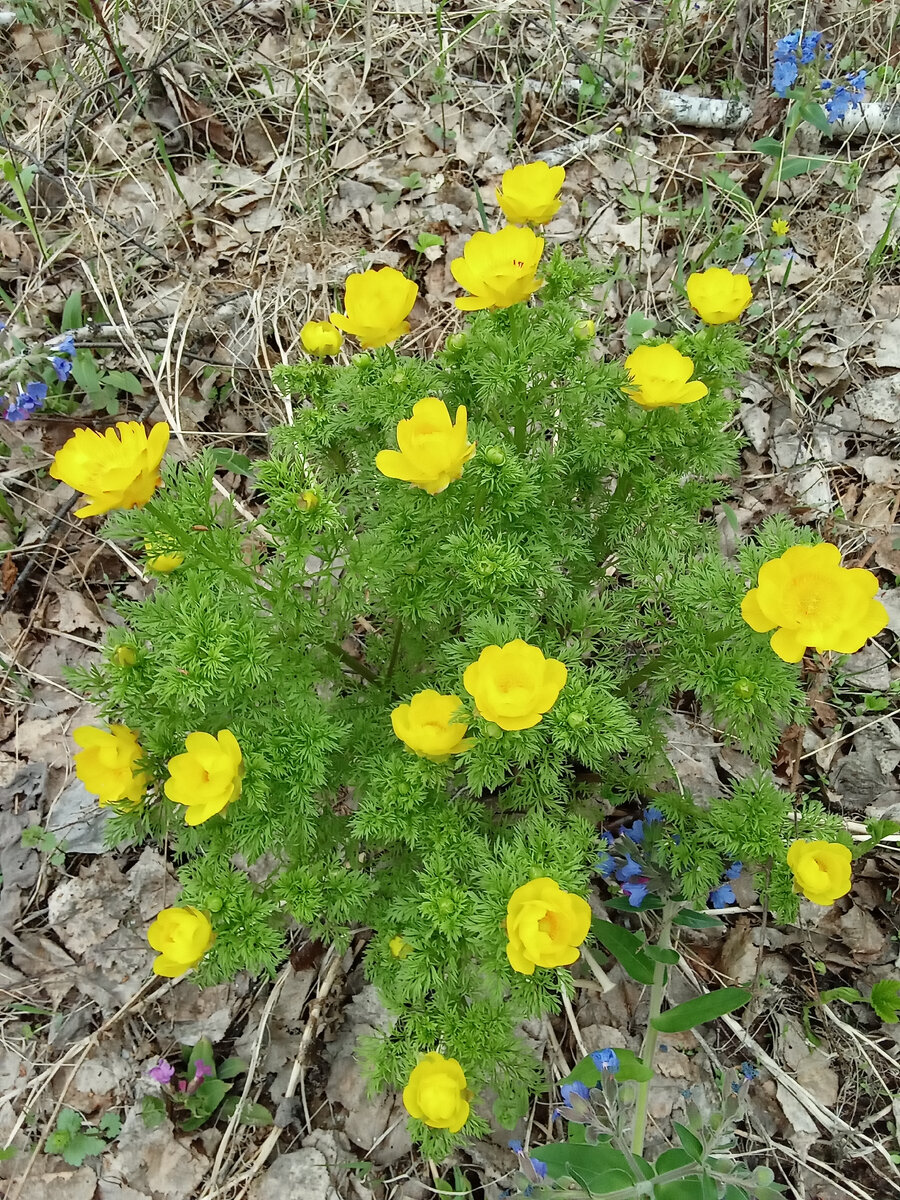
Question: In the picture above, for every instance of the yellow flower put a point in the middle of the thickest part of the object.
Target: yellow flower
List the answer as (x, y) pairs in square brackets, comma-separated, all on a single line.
[(498, 268), (718, 295), (660, 375), (433, 450), (107, 763), (307, 501), (321, 339), (809, 599), (437, 1093), (182, 936), (530, 193), (427, 727), (545, 926), (821, 870), (114, 470), (780, 227), (400, 947), (377, 304), (514, 685), (124, 656), (163, 561), (206, 778)]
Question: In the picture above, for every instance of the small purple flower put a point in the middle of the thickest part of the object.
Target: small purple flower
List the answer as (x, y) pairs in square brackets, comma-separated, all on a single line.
[(201, 1070), (736, 1087), (750, 260), (734, 870), (568, 1090), (67, 345), (516, 1146), (540, 1168), (721, 896), (605, 1060), (62, 367), (629, 870), (749, 1071), (162, 1073), (636, 892)]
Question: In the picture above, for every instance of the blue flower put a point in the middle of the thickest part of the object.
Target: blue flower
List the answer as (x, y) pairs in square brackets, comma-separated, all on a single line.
[(635, 893), (540, 1168), (735, 1087), (629, 869), (749, 1071), (734, 870), (654, 814), (67, 345), (567, 1090), (843, 98), (606, 864), (784, 76), (516, 1146), (750, 260), (825, 84), (605, 1060), (786, 69), (635, 832), (29, 398), (721, 896), (809, 46), (62, 367)]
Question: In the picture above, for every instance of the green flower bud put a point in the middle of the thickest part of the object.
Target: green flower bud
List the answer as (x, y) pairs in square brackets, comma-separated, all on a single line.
[(411, 568), (744, 688), (618, 437), (456, 341), (398, 377), (214, 902), (495, 456), (584, 330), (576, 720), (361, 360), (493, 731), (485, 567), (446, 905)]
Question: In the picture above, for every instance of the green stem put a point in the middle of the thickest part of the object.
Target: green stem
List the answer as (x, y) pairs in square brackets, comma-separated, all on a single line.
[(349, 661), (648, 1049), (520, 430), (395, 651), (774, 173)]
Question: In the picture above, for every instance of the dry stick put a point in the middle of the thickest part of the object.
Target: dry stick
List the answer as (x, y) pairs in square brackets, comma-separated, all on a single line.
[(251, 1070), (570, 1014), (315, 1014)]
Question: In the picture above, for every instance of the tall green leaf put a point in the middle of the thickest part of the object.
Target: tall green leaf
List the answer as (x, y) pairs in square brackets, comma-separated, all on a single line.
[(625, 947), (704, 1008)]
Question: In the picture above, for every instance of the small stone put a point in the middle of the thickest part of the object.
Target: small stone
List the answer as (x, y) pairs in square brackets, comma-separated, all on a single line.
[(78, 820), (868, 669), (301, 1173), (878, 469)]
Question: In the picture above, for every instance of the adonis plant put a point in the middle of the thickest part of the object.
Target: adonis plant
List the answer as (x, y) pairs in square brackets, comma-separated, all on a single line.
[(423, 693)]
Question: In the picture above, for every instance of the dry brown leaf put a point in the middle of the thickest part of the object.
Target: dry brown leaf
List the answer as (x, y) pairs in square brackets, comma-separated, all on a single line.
[(9, 573)]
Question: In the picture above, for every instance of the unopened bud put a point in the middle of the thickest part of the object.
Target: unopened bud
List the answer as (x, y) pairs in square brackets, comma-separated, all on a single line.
[(619, 437), (584, 330), (744, 688), (456, 341), (492, 731), (361, 360), (214, 902), (307, 500), (576, 720), (495, 456), (124, 656)]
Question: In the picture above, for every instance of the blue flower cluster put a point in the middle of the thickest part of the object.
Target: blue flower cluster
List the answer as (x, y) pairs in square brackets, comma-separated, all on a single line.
[(845, 96), (791, 52), (32, 396), (627, 871)]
